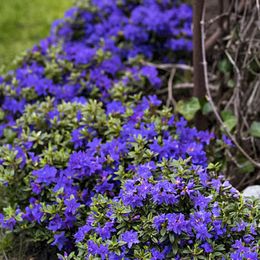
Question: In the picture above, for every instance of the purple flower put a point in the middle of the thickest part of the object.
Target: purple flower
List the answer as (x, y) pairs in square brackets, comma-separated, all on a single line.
[(201, 202), (199, 221), (83, 165), (56, 223), (13, 105), (82, 231), (94, 249), (105, 232), (71, 205), (248, 238), (158, 221), (227, 141), (104, 187), (219, 228), (157, 255), (240, 226), (54, 114), (33, 213), (36, 188), (176, 223), (145, 170), (130, 237), (79, 53), (152, 75), (59, 240), (8, 223), (77, 138), (45, 175), (154, 100), (115, 107), (164, 192), (201, 231), (130, 195), (188, 189), (207, 247)]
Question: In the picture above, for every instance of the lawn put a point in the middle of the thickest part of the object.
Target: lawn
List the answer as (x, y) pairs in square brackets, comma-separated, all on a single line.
[(24, 22)]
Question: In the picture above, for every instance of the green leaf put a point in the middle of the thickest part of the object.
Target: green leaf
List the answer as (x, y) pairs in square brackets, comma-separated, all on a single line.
[(229, 119), (231, 83), (224, 66), (246, 167), (2, 114), (207, 108), (255, 129), (188, 108), (9, 134)]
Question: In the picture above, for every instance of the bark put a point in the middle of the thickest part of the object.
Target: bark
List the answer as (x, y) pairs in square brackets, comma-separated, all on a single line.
[(199, 89)]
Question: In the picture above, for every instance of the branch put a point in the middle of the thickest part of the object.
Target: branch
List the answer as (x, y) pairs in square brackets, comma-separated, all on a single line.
[(170, 99), (169, 66), (233, 139), (258, 9), (238, 84), (211, 41), (216, 18)]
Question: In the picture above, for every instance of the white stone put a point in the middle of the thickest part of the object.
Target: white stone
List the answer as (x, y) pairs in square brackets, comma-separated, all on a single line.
[(252, 191)]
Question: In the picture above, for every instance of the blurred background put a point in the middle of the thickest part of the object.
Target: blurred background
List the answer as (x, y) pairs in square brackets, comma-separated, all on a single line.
[(24, 22)]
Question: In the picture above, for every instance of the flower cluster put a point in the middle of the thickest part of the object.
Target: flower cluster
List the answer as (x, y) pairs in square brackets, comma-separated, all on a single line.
[(173, 214), (95, 46), (68, 159), (96, 168)]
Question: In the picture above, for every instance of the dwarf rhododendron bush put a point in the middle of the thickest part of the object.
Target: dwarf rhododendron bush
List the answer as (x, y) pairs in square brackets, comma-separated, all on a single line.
[(93, 165)]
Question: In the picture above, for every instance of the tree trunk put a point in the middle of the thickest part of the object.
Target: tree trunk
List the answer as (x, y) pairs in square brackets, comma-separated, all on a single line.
[(199, 90)]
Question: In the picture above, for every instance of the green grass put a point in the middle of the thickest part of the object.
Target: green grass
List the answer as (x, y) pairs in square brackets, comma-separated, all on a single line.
[(24, 22)]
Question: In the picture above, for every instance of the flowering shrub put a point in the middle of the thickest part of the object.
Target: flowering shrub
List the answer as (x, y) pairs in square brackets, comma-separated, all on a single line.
[(101, 171), (170, 210), (97, 44)]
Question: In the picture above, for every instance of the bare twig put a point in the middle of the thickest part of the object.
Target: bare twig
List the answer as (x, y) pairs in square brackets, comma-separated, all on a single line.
[(255, 163), (216, 18), (176, 86), (235, 67), (248, 52), (211, 41), (183, 85), (251, 181), (169, 66), (253, 95), (170, 99), (221, 11), (5, 256), (258, 9), (248, 25), (238, 85), (233, 159), (242, 181)]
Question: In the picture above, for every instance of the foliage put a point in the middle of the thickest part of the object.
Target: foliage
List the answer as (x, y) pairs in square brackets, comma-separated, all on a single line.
[(171, 210), (255, 129), (188, 108), (96, 168)]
